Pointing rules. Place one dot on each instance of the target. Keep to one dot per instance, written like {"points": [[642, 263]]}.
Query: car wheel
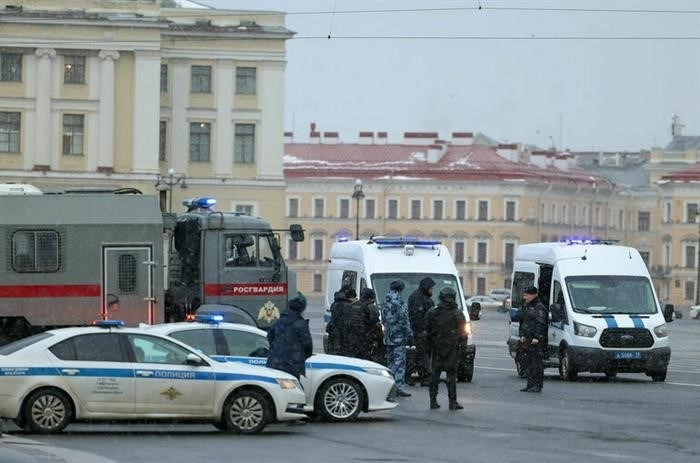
{"points": [[339, 399], [567, 371], [658, 376], [47, 411], [246, 412], [465, 372]]}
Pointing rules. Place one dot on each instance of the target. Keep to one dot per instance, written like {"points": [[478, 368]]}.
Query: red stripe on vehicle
{"points": [[245, 289], [29, 291]]}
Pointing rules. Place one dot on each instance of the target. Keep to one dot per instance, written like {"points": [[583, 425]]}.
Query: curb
{"points": [[15, 449]]}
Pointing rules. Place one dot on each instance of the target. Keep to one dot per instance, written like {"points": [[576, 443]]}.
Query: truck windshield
{"points": [[611, 294], [381, 282]]}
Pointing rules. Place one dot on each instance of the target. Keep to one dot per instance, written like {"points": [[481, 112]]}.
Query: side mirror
{"points": [[297, 232], [668, 312], [195, 360], [557, 311], [475, 311]]}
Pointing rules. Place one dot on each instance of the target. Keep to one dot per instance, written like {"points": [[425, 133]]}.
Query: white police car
{"points": [[107, 372], [338, 388]]}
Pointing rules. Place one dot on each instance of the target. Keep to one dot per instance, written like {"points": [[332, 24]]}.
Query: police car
{"points": [[337, 388], [108, 372]]}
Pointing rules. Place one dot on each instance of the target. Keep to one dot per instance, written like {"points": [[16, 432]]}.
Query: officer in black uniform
{"points": [[533, 320]]}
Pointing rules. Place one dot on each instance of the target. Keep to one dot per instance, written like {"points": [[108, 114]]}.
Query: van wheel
{"points": [[658, 376], [567, 371], [339, 399], [47, 411]]}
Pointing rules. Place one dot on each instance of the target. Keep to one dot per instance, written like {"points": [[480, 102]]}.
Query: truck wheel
{"points": [[47, 411], [465, 372], [658, 376], [246, 412], [339, 399], [567, 371]]}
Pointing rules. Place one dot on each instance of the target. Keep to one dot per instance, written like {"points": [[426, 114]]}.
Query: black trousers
{"points": [[535, 369], [435, 373]]}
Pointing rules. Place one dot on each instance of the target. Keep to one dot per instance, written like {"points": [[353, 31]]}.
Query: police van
{"points": [[604, 313], [376, 262]]}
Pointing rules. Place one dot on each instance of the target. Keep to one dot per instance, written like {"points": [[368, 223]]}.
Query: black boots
{"points": [[455, 406]]}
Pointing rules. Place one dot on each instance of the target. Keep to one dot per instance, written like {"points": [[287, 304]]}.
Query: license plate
{"points": [[627, 355]]}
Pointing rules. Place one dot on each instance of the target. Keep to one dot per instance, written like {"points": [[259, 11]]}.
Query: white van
{"points": [[379, 261], [604, 313]]}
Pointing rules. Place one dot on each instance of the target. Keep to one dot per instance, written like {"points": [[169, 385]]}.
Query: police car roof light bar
{"points": [[212, 319], [108, 323], [401, 242]]}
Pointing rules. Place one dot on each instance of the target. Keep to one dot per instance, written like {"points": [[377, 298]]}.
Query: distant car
{"points": [[72, 374], [338, 388], [500, 294], [487, 302]]}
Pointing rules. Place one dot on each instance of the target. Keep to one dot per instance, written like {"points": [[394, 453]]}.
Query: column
{"points": [[105, 160], [146, 116], [223, 146], [271, 126], [179, 126], [42, 146]]}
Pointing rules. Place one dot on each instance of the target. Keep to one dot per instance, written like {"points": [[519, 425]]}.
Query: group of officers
{"points": [[356, 329]]}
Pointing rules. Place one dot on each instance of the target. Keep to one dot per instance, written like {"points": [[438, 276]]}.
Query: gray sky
{"points": [[596, 93]]}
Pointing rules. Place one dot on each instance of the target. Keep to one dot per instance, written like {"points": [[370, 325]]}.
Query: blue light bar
{"points": [[108, 323], [212, 319], [401, 242], [205, 202]]}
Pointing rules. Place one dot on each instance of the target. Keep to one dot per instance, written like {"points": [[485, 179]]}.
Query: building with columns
{"points": [[110, 94]]}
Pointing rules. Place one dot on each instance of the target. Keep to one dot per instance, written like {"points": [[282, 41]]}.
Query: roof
{"points": [[683, 143], [690, 174], [398, 161]]}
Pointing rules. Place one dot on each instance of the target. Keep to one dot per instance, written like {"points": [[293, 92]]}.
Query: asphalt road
{"points": [[628, 418]]}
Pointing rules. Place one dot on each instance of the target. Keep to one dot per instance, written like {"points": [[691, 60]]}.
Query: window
{"points": [[318, 249], [543, 213], [318, 283], [509, 255], [96, 347], [392, 209], [239, 250], [481, 285], [319, 206], [293, 207], [202, 340], [201, 79], [245, 344], [9, 132], [200, 138], [370, 208], [245, 209], [586, 218], [598, 222], [643, 220], [481, 252], [553, 218], [667, 212], [35, 251], [73, 134], [293, 249], [510, 211], [127, 273], [163, 77], [689, 290], [461, 210], [415, 209], [344, 208], [459, 252], [73, 69], [245, 81], [157, 350], [483, 210], [10, 67], [691, 212], [521, 280], [565, 214], [244, 144], [690, 255], [162, 140], [438, 209]]}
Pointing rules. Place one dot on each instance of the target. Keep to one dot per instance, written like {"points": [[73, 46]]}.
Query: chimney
{"points": [[382, 138], [330, 138], [462, 138], [314, 137], [366, 138], [289, 137], [436, 152], [419, 138], [508, 151]]}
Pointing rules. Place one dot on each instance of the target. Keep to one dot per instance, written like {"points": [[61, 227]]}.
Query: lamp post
{"points": [[167, 183], [358, 195]]}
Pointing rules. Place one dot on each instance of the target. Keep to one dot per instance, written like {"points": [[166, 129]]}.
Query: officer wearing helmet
{"points": [[361, 320], [444, 326]]}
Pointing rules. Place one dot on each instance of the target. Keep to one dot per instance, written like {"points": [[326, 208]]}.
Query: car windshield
{"points": [[381, 282], [611, 294]]}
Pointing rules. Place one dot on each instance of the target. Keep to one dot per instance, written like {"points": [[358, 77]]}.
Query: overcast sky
{"points": [[586, 92]]}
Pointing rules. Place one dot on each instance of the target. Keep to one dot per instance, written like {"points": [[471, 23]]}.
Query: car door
{"points": [[96, 369], [165, 383]]}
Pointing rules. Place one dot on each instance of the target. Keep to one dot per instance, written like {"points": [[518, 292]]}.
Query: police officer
{"points": [[419, 302], [397, 332], [290, 339], [444, 326], [533, 336], [361, 321], [336, 326]]}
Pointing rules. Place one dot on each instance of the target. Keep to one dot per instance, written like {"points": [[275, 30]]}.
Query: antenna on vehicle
{"points": [[583, 257]]}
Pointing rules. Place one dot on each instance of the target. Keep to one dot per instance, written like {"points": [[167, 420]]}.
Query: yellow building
{"points": [[97, 93]]}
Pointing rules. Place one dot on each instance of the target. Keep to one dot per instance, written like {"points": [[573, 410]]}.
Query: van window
{"points": [[558, 297], [611, 294], [349, 279], [381, 282], [520, 281]]}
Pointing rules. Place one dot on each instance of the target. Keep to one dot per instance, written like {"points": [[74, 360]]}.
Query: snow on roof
{"points": [[191, 4]]}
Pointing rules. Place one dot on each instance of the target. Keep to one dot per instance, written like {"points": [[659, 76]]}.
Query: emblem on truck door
{"points": [[269, 312]]}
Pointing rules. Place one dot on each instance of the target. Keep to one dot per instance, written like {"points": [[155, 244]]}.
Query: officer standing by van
{"points": [[533, 320], [361, 322], [397, 332], [336, 326], [419, 302]]}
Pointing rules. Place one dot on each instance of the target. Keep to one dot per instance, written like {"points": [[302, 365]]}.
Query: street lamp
{"points": [[167, 183], [358, 195]]}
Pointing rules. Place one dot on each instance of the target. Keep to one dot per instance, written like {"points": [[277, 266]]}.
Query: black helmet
{"points": [[447, 294], [367, 294]]}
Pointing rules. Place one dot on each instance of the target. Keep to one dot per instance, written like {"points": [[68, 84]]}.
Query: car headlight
{"points": [[468, 329], [378, 371], [584, 330], [661, 331], [288, 383]]}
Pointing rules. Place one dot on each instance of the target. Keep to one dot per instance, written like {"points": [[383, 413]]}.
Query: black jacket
{"points": [[336, 326], [361, 321], [533, 320], [419, 302], [444, 326], [290, 343]]}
